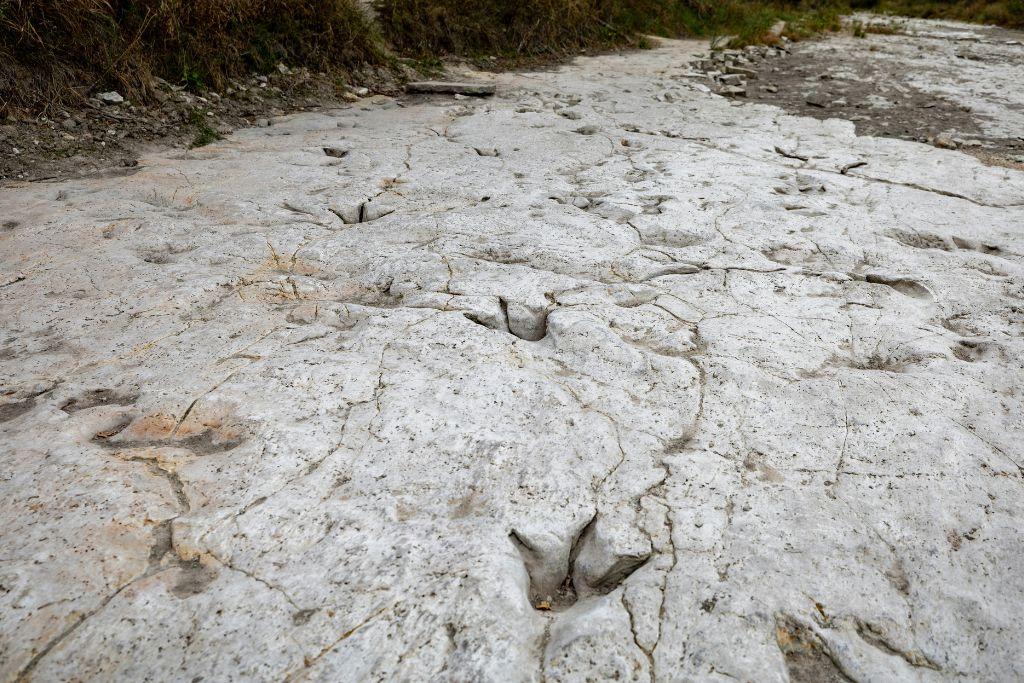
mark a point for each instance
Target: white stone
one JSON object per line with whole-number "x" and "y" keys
{"x": 111, "y": 97}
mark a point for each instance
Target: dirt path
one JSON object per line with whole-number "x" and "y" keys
{"x": 605, "y": 377}
{"x": 954, "y": 85}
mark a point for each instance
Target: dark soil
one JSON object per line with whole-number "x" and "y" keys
{"x": 877, "y": 101}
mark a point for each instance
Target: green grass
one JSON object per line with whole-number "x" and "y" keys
{"x": 204, "y": 133}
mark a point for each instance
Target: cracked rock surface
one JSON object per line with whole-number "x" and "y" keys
{"x": 658, "y": 388}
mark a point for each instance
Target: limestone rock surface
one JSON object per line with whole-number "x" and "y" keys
{"x": 654, "y": 402}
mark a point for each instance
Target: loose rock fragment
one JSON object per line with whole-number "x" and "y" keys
{"x": 817, "y": 99}
{"x": 749, "y": 74}
{"x": 112, "y": 97}
{"x": 336, "y": 152}
{"x": 777, "y": 29}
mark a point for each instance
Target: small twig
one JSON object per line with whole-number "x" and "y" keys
{"x": 790, "y": 155}
{"x": 850, "y": 167}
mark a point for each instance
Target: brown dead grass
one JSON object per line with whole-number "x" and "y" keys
{"x": 56, "y": 51}
{"x": 530, "y": 28}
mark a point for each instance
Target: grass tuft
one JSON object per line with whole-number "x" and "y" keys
{"x": 204, "y": 132}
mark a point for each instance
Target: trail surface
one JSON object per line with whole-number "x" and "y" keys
{"x": 946, "y": 83}
{"x": 604, "y": 378}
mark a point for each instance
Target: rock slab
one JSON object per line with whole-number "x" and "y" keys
{"x": 709, "y": 392}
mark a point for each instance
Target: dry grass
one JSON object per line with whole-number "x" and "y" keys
{"x": 54, "y": 51}
{"x": 431, "y": 27}
{"x": 529, "y": 28}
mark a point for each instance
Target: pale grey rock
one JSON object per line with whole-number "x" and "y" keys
{"x": 267, "y": 415}
{"x": 581, "y": 202}
{"x": 818, "y": 99}
{"x": 111, "y": 97}
{"x": 749, "y": 74}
